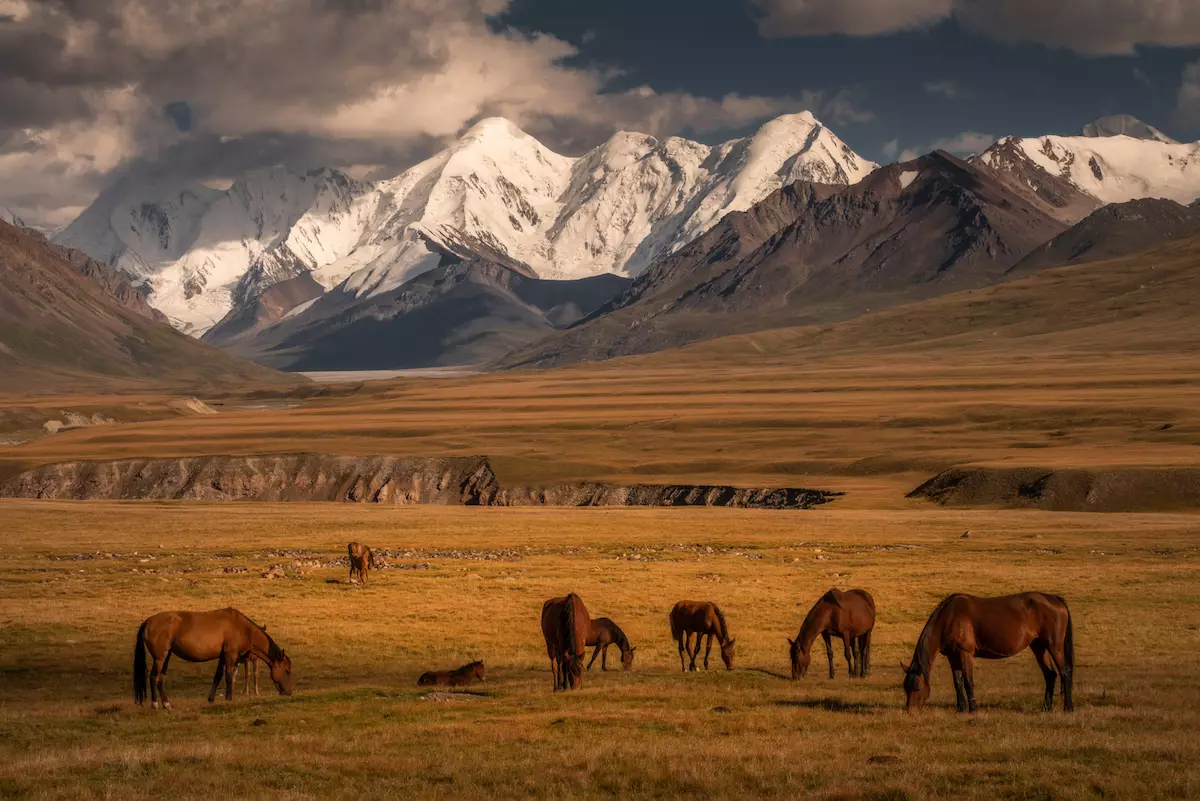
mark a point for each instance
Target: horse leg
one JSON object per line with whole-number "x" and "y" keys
{"x": 1048, "y": 673}
{"x": 694, "y": 652}
{"x": 595, "y": 653}
{"x": 603, "y": 658}
{"x": 960, "y": 690}
{"x": 707, "y": 651}
{"x": 851, "y": 653}
{"x": 866, "y": 654}
{"x": 256, "y": 661}
{"x": 968, "y": 674}
{"x": 680, "y": 640}
{"x": 1064, "y": 675}
{"x": 212, "y": 695}
{"x": 554, "y": 671}
{"x": 154, "y": 673}
{"x": 230, "y": 670}
{"x": 828, "y": 650}
{"x": 162, "y": 682}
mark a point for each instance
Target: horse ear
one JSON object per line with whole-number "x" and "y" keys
{"x": 632, "y": 648}
{"x": 791, "y": 641}
{"x": 904, "y": 667}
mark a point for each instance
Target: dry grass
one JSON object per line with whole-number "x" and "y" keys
{"x": 358, "y": 725}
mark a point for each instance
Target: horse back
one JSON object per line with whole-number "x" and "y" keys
{"x": 694, "y": 616}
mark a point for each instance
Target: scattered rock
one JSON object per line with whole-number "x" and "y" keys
{"x": 236, "y": 569}
{"x": 259, "y": 722}
{"x": 721, "y": 709}
{"x": 965, "y": 534}
{"x": 275, "y": 572}
{"x": 882, "y": 759}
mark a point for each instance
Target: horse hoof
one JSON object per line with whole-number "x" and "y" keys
{"x": 166, "y": 705}
{"x": 154, "y": 704}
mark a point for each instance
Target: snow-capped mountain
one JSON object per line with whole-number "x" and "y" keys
{"x": 1111, "y": 168}
{"x": 496, "y": 190}
{"x": 201, "y": 249}
{"x": 1125, "y": 125}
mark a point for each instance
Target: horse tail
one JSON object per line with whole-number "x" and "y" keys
{"x": 139, "y": 665}
{"x": 674, "y": 626}
{"x": 1069, "y": 641}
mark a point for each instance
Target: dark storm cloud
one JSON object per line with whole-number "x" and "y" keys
{"x": 1090, "y": 27}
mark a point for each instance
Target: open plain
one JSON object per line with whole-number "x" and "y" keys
{"x": 870, "y": 409}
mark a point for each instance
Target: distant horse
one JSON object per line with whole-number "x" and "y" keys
{"x": 454, "y": 678}
{"x": 700, "y": 618}
{"x": 603, "y": 633}
{"x": 225, "y": 635}
{"x": 565, "y": 625}
{"x": 361, "y": 560}
{"x": 964, "y": 627}
{"x": 848, "y": 615}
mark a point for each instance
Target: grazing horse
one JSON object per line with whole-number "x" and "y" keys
{"x": 361, "y": 561}
{"x": 454, "y": 678}
{"x": 565, "y": 625}
{"x": 603, "y": 633}
{"x": 225, "y": 635}
{"x": 251, "y": 662}
{"x": 848, "y": 615}
{"x": 964, "y": 627}
{"x": 700, "y": 618}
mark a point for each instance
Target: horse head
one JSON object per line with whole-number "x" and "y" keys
{"x": 627, "y": 658}
{"x": 574, "y": 667}
{"x": 727, "y": 652}
{"x": 281, "y": 673}
{"x": 916, "y": 687}
{"x": 480, "y": 672}
{"x": 800, "y": 659}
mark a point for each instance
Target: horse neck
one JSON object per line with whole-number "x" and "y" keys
{"x": 928, "y": 645}
{"x": 814, "y": 623}
{"x": 619, "y": 638}
{"x": 722, "y": 629}
{"x": 262, "y": 645}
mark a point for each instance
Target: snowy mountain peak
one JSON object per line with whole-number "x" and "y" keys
{"x": 495, "y": 190}
{"x": 1125, "y": 125}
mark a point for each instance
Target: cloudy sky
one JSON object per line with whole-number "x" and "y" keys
{"x": 168, "y": 90}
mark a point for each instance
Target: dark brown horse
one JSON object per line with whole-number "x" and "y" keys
{"x": 454, "y": 678}
{"x": 565, "y": 625}
{"x": 603, "y": 633}
{"x": 361, "y": 561}
{"x": 225, "y": 635}
{"x": 964, "y": 627}
{"x": 700, "y": 618}
{"x": 848, "y": 615}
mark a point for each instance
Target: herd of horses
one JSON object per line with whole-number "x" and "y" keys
{"x": 961, "y": 627}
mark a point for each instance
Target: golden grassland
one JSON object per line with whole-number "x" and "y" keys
{"x": 358, "y": 726}
{"x": 875, "y": 425}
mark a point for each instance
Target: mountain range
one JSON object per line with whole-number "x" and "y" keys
{"x": 497, "y": 248}
{"x": 67, "y": 321}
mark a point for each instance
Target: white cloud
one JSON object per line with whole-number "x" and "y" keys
{"x": 965, "y": 143}
{"x": 1090, "y": 27}
{"x": 1187, "y": 106}
{"x": 945, "y": 88}
{"x": 372, "y": 81}
{"x": 890, "y": 149}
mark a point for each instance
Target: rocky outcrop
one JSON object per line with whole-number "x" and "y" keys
{"x": 1124, "y": 490}
{"x": 371, "y": 479}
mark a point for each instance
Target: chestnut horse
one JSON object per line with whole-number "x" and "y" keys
{"x": 700, "y": 618}
{"x": 848, "y": 615}
{"x": 454, "y": 678}
{"x": 225, "y": 635}
{"x": 964, "y": 627}
{"x": 565, "y": 625}
{"x": 603, "y": 633}
{"x": 361, "y": 560}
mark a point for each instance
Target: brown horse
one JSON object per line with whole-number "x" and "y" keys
{"x": 225, "y": 635}
{"x": 700, "y": 618}
{"x": 964, "y": 627}
{"x": 454, "y": 678}
{"x": 565, "y": 625}
{"x": 251, "y": 662}
{"x": 361, "y": 561}
{"x": 603, "y": 633}
{"x": 848, "y": 615}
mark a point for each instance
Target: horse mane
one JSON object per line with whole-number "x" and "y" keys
{"x": 724, "y": 628}
{"x": 922, "y": 659}
{"x": 274, "y": 652}
{"x": 832, "y": 597}
{"x": 568, "y": 624}
{"x": 622, "y": 640}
